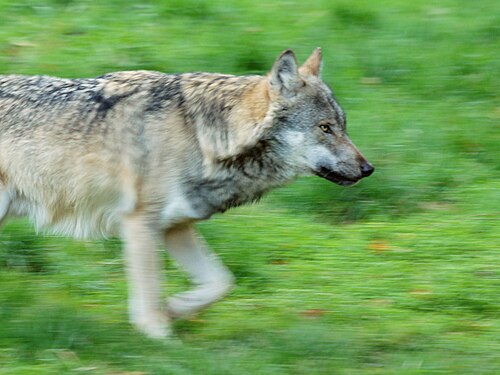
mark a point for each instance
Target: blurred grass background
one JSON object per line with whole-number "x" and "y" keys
{"x": 397, "y": 275}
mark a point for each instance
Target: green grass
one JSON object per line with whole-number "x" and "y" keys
{"x": 397, "y": 275}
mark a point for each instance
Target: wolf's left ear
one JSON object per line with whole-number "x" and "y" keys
{"x": 313, "y": 64}
{"x": 284, "y": 76}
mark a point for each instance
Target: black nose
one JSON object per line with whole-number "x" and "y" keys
{"x": 367, "y": 169}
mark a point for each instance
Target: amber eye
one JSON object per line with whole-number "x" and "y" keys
{"x": 325, "y": 128}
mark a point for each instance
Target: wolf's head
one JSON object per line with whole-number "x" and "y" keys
{"x": 310, "y": 124}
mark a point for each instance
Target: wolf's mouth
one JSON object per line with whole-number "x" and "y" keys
{"x": 335, "y": 177}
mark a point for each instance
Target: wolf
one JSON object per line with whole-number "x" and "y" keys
{"x": 145, "y": 155}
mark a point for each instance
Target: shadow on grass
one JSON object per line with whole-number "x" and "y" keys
{"x": 364, "y": 201}
{"x": 21, "y": 249}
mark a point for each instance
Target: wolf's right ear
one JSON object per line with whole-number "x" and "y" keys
{"x": 284, "y": 76}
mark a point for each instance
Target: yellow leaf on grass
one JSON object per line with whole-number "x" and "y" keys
{"x": 378, "y": 246}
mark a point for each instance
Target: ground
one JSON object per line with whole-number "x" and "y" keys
{"x": 396, "y": 275}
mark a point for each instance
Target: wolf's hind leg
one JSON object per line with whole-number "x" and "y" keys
{"x": 4, "y": 204}
{"x": 144, "y": 276}
{"x": 212, "y": 279}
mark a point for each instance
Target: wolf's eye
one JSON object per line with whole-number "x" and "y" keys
{"x": 325, "y": 128}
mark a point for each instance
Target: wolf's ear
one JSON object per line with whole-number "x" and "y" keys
{"x": 284, "y": 76}
{"x": 313, "y": 64}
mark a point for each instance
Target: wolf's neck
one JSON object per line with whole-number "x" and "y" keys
{"x": 233, "y": 118}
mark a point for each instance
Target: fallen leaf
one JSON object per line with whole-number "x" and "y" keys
{"x": 378, "y": 246}
{"x": 279, "y": 262}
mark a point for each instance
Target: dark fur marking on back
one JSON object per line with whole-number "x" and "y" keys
{"x": 105, "y": 104}
{"x": 164, "y": 91}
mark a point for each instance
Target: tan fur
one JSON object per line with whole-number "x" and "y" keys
{"x": 249, "y": 117}
{"x": 312, "y": 65}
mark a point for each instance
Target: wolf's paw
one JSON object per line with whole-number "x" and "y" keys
{"x": 186, "y": 304}
{"x": 155, "y": 326}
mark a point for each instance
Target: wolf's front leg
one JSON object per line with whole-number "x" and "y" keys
{"x": 144, "y": 277}
{"x": 211, "y": 278}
